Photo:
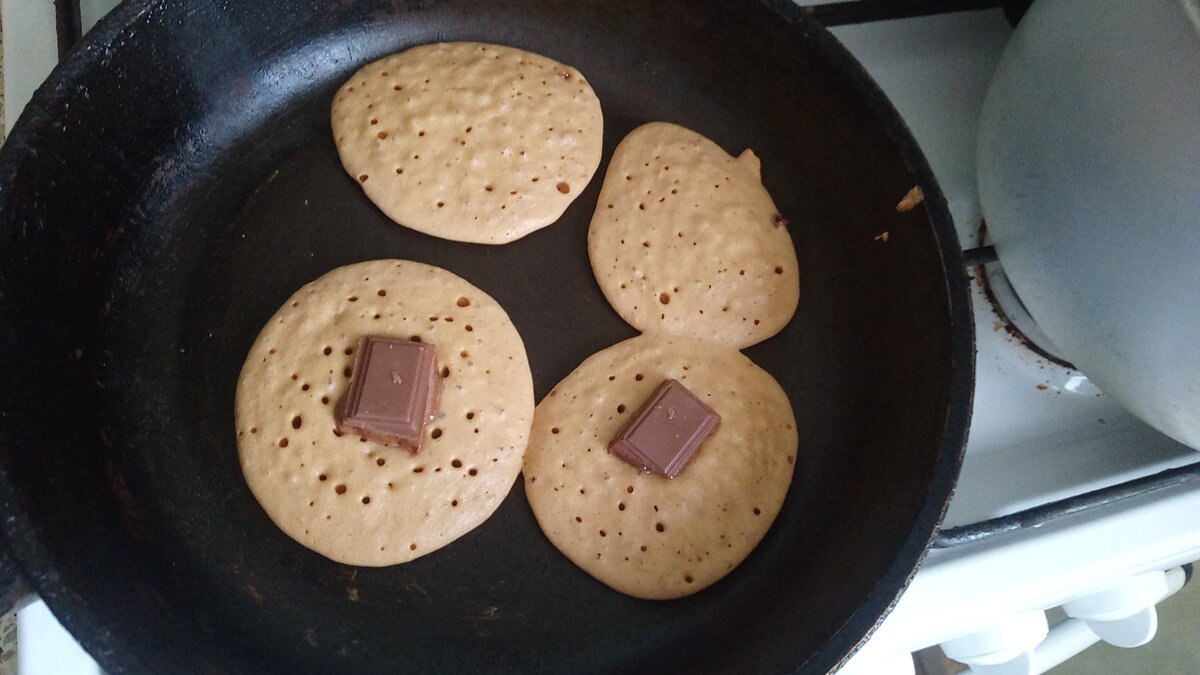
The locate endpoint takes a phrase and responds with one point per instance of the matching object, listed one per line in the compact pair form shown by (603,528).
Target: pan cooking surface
(215,191)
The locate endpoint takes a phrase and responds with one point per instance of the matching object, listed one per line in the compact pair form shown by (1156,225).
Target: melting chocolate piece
(393,392)
(664,434)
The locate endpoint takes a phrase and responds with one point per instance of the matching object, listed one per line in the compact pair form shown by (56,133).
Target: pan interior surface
(177,180)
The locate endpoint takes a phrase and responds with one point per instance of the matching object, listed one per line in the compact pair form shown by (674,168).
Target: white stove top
(1040,431)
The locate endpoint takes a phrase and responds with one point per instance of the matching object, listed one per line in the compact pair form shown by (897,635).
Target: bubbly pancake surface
(468,141)
(359,502)
(640,533)
(685,240)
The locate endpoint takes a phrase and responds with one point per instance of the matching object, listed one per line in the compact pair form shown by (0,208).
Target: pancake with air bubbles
(640,533)
(685,240)
(360,502)
(468,141)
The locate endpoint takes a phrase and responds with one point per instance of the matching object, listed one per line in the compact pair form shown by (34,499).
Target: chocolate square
(665,433)
(393,392)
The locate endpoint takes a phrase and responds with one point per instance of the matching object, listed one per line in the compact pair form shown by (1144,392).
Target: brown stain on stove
(1014,333)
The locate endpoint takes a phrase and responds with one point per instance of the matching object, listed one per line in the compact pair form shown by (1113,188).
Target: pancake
(360,502)
(468,141)
(640,533)
(685,240)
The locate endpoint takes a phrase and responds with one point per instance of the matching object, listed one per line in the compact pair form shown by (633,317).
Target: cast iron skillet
(175,181)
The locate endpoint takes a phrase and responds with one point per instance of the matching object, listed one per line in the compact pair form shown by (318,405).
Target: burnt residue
(1003,322)
(1011,328)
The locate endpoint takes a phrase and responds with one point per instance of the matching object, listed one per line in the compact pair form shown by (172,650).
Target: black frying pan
(175,180)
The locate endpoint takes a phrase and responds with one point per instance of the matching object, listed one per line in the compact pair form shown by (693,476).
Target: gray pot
(1089,179)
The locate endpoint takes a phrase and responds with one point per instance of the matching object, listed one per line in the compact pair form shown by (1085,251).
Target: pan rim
(961,389)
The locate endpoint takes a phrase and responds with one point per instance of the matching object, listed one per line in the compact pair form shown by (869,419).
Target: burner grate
(866,11)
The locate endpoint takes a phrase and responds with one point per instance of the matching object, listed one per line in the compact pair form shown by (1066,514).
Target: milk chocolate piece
(665,433)
(393,392)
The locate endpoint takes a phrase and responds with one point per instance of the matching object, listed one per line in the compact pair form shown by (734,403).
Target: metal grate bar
(864,11)
(1040,515)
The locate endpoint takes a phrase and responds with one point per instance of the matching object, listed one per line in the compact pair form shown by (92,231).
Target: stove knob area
(1004,647)
(1123,615)
(1132,631)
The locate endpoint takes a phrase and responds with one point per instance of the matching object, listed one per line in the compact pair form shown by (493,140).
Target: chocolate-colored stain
(665,433)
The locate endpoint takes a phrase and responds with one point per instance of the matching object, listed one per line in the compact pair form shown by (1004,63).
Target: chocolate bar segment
(665,433)
(393,392)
